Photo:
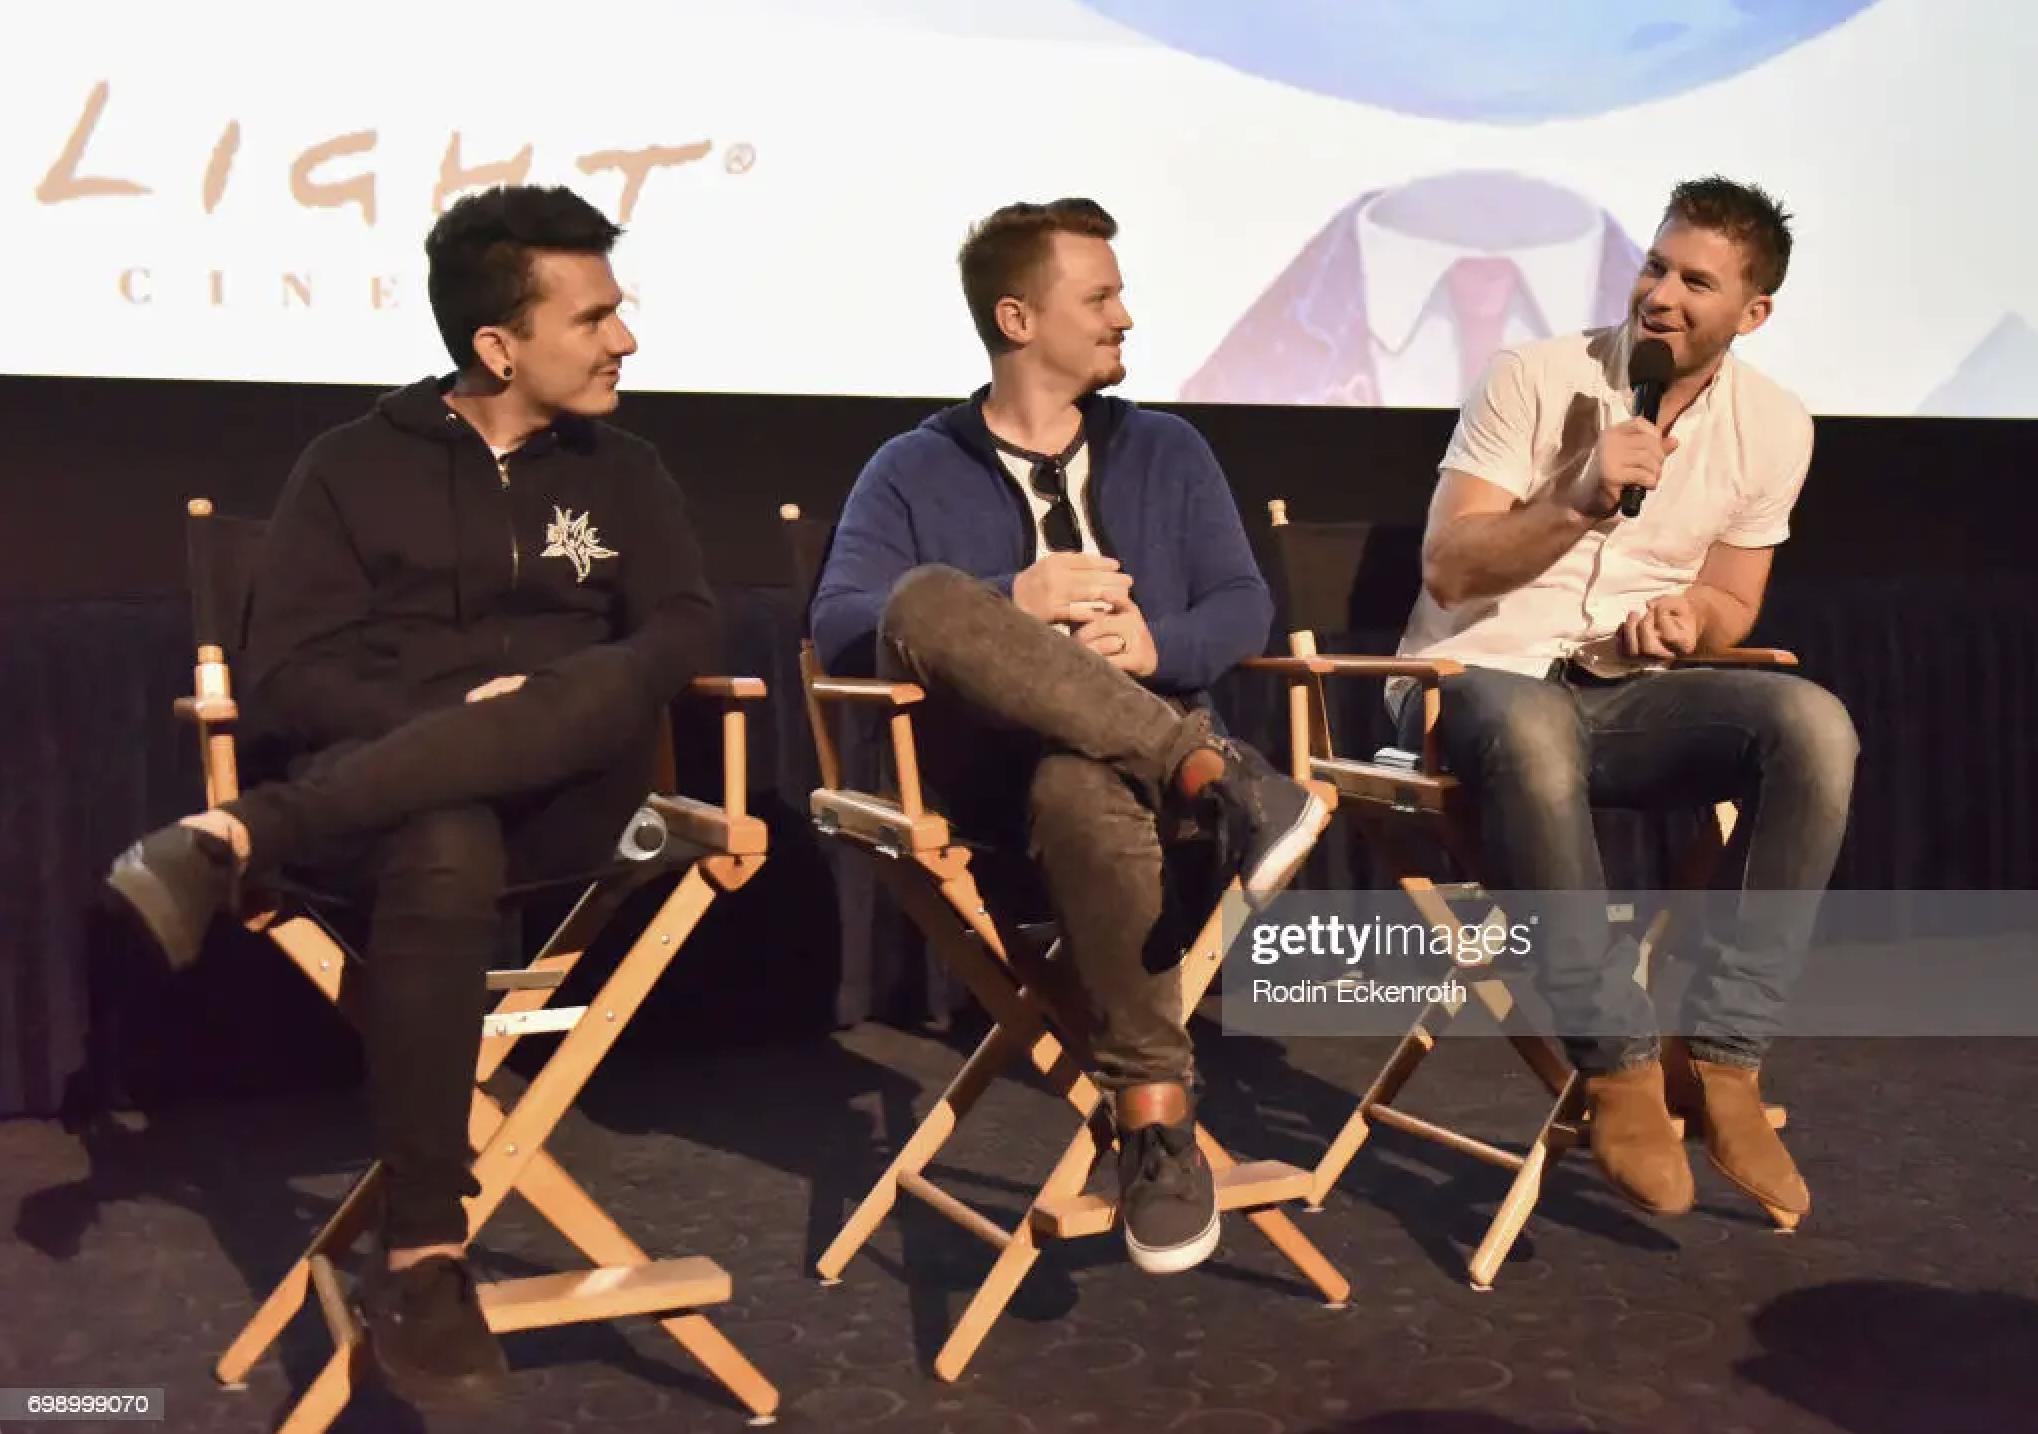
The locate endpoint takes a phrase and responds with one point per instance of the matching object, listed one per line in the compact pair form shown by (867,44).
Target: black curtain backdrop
(1905,588)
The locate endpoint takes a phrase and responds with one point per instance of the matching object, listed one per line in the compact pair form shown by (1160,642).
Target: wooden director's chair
(926,868)
(711,848)
(1338,576)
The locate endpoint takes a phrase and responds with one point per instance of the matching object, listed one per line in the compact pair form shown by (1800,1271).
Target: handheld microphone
(1649,370)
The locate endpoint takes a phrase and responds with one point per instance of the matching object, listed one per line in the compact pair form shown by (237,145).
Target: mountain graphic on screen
(1492,61)
(1999,379)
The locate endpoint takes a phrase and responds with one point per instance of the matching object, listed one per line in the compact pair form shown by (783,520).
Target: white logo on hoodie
(576,540)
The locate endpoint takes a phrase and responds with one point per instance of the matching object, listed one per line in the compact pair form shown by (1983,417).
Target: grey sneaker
(1265,822)
(1167,1200)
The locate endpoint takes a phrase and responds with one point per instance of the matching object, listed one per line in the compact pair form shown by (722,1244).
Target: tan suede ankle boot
(1741,1142)
(1633,1140)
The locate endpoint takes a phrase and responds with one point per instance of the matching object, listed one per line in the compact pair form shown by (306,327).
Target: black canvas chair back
(806,543)
(220,555)
(1340,578)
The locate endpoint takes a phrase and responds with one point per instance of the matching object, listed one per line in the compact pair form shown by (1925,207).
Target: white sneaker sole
(1174,1258)
(1277,868)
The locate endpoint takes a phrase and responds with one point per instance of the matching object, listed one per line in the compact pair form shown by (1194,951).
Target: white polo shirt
(1742,450)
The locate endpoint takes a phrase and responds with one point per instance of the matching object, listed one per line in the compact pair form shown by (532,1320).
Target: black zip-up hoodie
(403,568)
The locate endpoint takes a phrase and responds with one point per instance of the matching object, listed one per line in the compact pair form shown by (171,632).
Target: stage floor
(1909,1301)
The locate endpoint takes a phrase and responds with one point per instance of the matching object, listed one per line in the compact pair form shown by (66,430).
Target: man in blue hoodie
(1065,574)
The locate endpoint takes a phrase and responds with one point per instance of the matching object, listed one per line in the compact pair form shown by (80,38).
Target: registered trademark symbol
(740,158)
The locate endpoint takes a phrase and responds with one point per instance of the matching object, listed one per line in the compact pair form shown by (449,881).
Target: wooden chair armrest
(866,689)
(1308,718)
(1289,666)
(878,820)
(735,834)
(728,689)
(1427,670)
(899,697)
(1740,657)
(208,710)
(716,828)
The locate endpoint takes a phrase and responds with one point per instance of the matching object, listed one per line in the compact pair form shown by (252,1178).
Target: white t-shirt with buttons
(1742,450)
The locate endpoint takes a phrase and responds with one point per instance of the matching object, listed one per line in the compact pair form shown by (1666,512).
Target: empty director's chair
(711,849)
(1342,577)
(925,865)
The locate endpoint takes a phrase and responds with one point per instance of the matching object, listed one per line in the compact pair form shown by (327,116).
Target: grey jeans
(1538,753)
(1028,736)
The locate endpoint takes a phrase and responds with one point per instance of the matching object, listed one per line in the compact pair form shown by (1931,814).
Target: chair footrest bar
(610,1292)
(1243,1187)
(1779,1117)
(1443,1135)
(531,1023)
(932,1195)
(524,979)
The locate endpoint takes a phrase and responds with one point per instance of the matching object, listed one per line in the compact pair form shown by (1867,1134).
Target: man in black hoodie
(472,606)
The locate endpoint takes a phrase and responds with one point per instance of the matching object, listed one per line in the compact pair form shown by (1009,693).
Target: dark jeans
(1538,754)
(433,821)
(1026,732)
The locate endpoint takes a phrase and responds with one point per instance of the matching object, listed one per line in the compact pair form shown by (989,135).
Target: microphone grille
(1650,363)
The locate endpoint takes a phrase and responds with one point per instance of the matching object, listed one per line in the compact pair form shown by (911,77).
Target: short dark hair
(1004,252)
(1746,214)
(480,256)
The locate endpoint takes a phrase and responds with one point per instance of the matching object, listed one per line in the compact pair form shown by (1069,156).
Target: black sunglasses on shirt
(1050,481)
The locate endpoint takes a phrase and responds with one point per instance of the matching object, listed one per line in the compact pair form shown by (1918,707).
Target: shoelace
(1161,1154)
(1228,819)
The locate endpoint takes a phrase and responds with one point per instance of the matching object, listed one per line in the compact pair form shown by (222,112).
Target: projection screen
(230,192)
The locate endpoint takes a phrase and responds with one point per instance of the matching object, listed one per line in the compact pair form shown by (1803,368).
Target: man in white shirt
(1526,560)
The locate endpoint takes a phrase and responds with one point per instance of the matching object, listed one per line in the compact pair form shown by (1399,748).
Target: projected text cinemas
(1354,941)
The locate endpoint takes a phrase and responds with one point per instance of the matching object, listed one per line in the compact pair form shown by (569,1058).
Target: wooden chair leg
(510,1155)
(321,1404)
(553,1092)
(1296,1247)
(1067,1179)
(939,895)
(1786,1221)
(1527,1186)
(334,1238)
(993,1053)
(1539,1052)
(1415,1044)
(719,1357)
